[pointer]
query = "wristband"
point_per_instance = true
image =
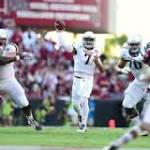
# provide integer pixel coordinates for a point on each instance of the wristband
(17, 57)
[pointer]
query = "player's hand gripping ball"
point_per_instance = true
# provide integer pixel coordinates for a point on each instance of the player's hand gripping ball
(60, 25)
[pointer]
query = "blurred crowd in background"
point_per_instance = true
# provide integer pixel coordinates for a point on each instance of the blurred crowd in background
(48, 77)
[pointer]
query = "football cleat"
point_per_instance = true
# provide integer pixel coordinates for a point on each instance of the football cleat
(34, 124)
(82, 129)
(144, 133)
(112, 147)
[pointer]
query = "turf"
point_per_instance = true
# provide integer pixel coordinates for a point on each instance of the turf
(65, 137)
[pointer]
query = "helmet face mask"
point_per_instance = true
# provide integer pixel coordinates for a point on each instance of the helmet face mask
(134, 44)
(88, 40)
(3, 42)
(3, 37)
(134, 48)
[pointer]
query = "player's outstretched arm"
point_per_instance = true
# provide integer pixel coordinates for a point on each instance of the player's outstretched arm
(6, 60)
(24, 56)
(99, 64)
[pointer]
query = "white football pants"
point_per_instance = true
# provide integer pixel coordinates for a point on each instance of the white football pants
(14, 89)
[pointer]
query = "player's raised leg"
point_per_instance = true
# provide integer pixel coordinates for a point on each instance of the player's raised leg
(133, 94)
(15, 90)
(132, 134)
(130, 101)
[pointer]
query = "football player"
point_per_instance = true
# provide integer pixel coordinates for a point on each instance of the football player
(143, 125)
(132, 54)
(8, 83)
(86, 59)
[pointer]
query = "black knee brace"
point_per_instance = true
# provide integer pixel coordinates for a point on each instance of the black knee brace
(130, 113)
(27, 110)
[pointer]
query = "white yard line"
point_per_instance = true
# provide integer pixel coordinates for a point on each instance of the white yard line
(52, 148)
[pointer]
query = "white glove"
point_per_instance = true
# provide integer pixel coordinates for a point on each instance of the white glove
(126, 70)
(27, 56)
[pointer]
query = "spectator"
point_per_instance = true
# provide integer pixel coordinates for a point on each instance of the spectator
(17, 36)
(29, 39)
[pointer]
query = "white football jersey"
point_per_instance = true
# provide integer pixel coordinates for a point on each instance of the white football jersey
(7, 71)
(135, 64)
(84, 59)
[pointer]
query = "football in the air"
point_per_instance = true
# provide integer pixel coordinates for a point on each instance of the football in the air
(60, 24)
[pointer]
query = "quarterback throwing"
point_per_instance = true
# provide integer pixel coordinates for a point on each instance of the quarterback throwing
(86, 59)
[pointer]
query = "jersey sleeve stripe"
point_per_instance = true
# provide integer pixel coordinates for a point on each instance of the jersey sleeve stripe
(15, 47)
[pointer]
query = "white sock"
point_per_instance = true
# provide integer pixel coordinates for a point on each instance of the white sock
(85, 111)
(30, 117)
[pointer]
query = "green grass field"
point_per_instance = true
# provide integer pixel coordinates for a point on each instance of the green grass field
(65, 137)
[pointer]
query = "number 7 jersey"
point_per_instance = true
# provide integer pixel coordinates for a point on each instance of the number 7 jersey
(135, 64)
(84, 59)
